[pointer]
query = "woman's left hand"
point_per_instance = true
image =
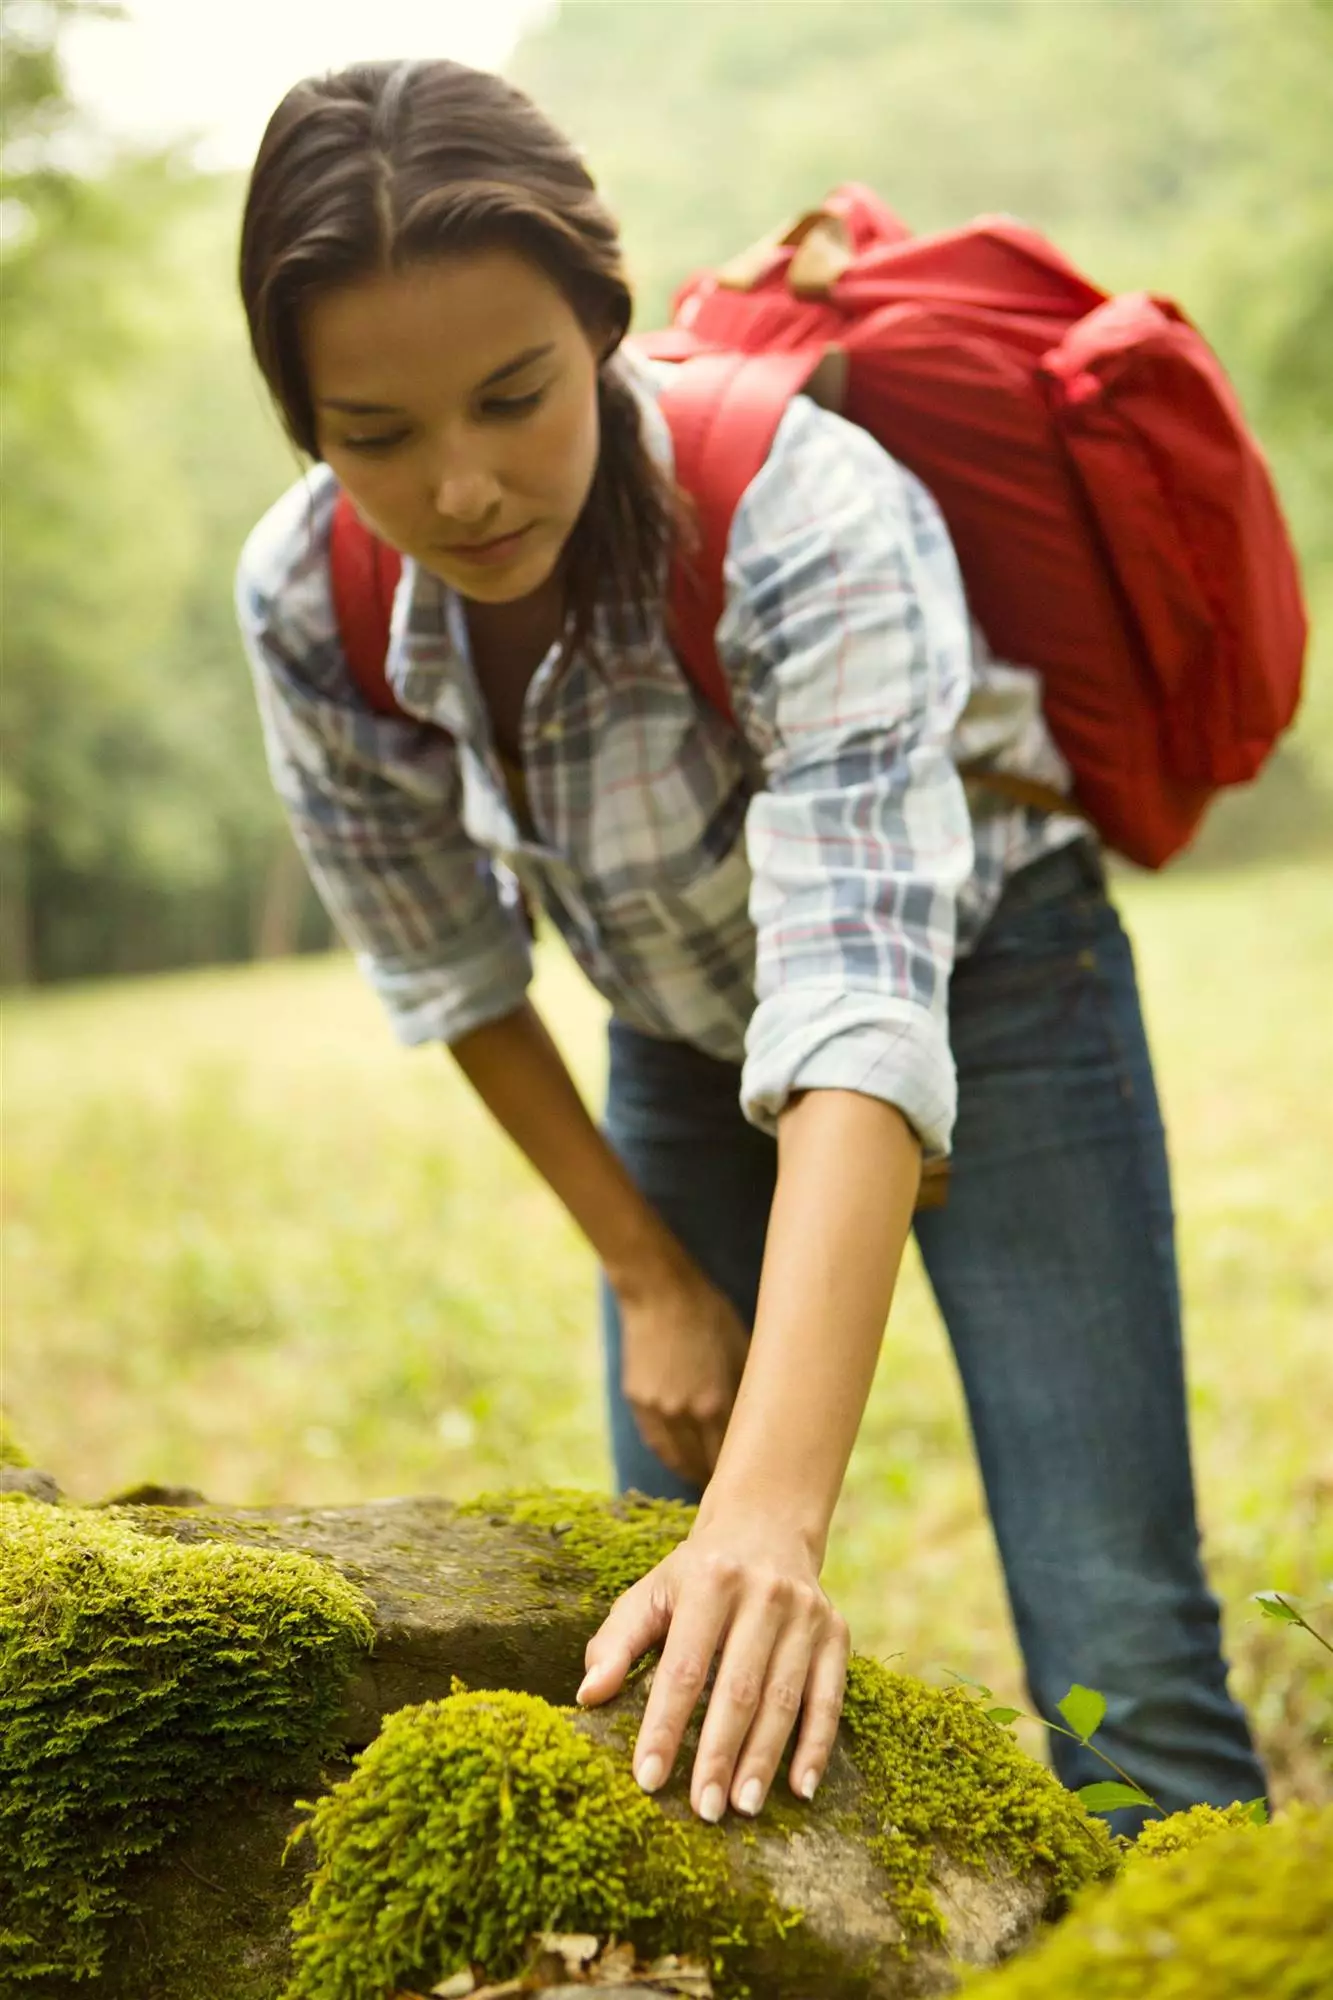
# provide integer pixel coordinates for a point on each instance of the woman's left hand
(747, 1587)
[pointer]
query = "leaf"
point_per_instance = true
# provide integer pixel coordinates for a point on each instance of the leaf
(1004, 1716)
(457, 1988)
(1257, 1811)
(1108, 1792)
(1276, 1607)
(1083, 1709)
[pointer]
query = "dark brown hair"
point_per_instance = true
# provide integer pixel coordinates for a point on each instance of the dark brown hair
(384, 165)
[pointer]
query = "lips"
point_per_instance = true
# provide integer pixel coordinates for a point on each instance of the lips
(492, 551)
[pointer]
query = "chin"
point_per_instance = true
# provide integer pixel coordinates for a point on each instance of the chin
(500, 586)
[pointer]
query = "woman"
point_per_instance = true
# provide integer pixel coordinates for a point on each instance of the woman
(808, 949)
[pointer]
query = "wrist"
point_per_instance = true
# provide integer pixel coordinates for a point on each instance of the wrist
(644, 1263)
(782, 1514)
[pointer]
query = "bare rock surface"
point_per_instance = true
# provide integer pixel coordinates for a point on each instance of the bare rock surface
(27, 1479)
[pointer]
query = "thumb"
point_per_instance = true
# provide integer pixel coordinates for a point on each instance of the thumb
(637, 1620)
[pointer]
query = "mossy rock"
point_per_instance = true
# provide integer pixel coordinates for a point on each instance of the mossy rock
(934, 1839)
(139, 1678)
(1244, 1913)
(502, 1593)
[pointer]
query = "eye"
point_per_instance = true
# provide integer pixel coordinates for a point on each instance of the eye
(382, 442)
(512, 406)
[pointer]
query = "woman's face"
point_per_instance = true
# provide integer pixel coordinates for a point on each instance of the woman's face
(456, 402)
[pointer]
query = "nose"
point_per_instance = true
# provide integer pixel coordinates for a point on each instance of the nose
(466, 496)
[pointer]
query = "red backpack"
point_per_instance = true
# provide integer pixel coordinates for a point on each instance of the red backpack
(1114, 519)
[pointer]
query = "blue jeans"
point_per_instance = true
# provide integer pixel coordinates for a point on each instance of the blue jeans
(1054, 1268)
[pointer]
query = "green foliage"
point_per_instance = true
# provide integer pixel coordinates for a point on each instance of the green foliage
(940, 1775)
(136, 822)
(616, 1540)
(1240, 1912)
(139, 1676)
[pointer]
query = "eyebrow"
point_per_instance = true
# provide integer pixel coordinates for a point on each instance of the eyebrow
(498, 375)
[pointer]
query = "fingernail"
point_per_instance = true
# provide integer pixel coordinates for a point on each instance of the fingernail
(752, 1796)
(650, 1773)
(713, 1804)
(586, 1683)
(809, 1784)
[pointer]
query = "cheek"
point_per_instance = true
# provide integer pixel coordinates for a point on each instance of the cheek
(569, 450)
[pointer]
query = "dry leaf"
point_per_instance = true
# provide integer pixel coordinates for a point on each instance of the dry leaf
(615, 1965)
(458, 1988)
(685, 1976)
(574, 1949)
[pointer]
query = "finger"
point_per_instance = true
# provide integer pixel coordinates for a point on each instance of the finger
(736, 1696)
(697, 1624)
(824, 1690)
(637, 1620)
(785, 1688)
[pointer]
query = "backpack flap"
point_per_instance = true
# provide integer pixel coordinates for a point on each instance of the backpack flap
(1187, 511)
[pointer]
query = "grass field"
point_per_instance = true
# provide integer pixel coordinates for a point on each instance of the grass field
(255, 1248)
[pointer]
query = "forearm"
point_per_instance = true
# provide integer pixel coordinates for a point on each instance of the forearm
(520, 1076)
(848, 1170)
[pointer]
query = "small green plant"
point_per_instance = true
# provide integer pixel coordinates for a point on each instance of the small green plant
(1084, 1710)
(1274, 1605)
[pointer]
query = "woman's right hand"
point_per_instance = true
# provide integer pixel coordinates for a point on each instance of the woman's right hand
(683, 1348)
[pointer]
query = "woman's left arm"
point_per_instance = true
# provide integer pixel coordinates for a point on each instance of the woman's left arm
(747, 1579)
(847, 645)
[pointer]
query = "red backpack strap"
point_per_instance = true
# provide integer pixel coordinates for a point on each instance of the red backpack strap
(363, 573)
(723, 410)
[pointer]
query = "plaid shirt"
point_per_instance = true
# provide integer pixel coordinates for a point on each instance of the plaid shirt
(791, 895)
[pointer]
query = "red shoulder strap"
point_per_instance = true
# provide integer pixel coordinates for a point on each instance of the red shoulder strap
(723, 410)
(363, 572)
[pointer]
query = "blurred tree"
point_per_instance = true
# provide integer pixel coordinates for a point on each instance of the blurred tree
(135, 820)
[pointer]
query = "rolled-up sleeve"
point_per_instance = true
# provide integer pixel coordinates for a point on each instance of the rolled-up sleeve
(373, 801)
(845, 637)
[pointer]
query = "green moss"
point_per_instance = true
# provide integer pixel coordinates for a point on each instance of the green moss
(940, 1775)
(1244, 1915)
(1183, 1830)
(615, 1540)
(137, 1676)
(11, 1451)
(471, 1823)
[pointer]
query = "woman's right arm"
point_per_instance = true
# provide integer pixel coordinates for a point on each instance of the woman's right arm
(683, 1346)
